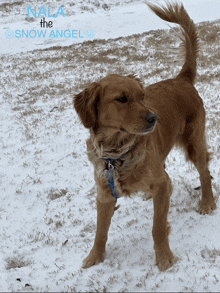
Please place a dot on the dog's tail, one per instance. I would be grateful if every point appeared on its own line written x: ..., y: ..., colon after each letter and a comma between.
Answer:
x: 176, y: 13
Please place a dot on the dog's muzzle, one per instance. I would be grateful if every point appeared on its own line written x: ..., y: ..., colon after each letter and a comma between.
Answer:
x: 151, y: 120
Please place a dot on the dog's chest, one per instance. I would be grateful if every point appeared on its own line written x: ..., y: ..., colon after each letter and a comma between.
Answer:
x: 132, y: 180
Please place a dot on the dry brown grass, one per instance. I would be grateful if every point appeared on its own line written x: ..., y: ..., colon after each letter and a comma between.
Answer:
x: 17, y: 261
x: 153, y: 55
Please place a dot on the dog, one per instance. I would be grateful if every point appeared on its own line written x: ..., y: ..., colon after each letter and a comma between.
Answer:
x: 133, y: 129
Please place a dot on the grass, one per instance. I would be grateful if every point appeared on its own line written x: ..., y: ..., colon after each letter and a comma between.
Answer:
x: 69, y: 8
x: 56, y: 193
x: 39, y: 87
x: 92, y: 60
x: 17, y: 261
x: 210, y: 255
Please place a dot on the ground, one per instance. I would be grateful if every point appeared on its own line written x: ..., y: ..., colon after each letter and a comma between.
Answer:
x: 48, y: 194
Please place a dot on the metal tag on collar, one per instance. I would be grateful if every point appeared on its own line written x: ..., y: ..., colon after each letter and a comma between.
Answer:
x: 110, y: 166
x: 109, y: 173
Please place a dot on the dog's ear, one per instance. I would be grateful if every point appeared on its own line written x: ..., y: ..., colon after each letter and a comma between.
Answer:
x: 133, y: 76
x: 85, y: 104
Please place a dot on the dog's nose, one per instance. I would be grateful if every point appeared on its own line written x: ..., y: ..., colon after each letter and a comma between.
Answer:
x: 151, y: 119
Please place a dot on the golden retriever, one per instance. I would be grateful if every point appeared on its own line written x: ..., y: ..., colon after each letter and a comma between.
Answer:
x: 133, y: 129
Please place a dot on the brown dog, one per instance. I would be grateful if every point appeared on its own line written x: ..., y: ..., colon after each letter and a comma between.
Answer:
x: 133, y: 130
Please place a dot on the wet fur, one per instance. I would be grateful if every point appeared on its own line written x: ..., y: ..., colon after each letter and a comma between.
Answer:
x: 118, y: 127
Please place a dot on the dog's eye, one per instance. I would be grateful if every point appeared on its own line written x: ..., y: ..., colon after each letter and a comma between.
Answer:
x: 123, y: 99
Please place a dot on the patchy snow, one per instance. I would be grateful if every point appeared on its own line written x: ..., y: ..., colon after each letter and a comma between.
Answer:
x: 48, y: 196
x: 80, y: 22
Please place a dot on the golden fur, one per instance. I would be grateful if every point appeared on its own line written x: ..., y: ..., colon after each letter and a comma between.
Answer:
x: 145, y: 123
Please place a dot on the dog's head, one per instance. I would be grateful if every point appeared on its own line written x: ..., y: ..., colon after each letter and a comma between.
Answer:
x: 115, y: 102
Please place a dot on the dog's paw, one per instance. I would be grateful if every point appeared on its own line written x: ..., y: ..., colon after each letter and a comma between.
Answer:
x: 93, y: 258
x: 206, y: 207
x: 166, y: 261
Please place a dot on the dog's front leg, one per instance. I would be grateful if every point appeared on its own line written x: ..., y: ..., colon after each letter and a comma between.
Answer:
x: 105, y: 211
x: 161, y: 198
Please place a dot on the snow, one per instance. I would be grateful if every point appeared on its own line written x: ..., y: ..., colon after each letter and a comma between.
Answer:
x: 125, y: 20
x: 48, y: 195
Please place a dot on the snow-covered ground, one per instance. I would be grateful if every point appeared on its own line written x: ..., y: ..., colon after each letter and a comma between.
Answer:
x: 88, y: 19
x: 48, y: 196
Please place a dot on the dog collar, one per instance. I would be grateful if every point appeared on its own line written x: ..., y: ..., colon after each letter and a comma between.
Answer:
x: 109, y: 173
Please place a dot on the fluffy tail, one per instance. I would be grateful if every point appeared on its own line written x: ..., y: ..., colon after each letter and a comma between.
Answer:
x: 176, y: 13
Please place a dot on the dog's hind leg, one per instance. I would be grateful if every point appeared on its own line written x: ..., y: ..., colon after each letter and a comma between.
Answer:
x: 200, y: 157
x: 195, y: 147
